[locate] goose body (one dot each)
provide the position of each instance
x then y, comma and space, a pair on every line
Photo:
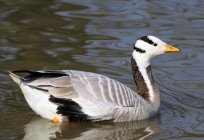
71, 94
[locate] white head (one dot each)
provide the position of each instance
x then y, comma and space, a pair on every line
149, 46
146, 48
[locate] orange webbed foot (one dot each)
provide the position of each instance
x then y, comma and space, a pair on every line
55, 120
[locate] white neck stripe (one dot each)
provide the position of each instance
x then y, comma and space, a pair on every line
142, 65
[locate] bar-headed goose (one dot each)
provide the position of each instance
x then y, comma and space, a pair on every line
71, 94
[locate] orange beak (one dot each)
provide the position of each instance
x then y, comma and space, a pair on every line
169, 48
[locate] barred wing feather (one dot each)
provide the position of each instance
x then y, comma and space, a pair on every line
98, 95
102, 88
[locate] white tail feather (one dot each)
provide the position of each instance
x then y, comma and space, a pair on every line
15, 78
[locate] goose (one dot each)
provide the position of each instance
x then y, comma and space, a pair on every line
66, 95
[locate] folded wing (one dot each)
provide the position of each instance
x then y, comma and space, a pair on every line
95, 95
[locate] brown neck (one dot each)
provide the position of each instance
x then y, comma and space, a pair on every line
142, 88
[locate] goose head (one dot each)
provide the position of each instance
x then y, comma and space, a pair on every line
148, 47
145, 49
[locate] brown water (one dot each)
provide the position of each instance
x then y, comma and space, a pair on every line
98, 36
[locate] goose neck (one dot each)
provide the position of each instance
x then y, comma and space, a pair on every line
142, 75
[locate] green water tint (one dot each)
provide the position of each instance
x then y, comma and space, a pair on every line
98, 36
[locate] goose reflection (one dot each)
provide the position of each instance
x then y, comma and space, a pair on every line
42, 129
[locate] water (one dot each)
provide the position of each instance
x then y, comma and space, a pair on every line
98, 36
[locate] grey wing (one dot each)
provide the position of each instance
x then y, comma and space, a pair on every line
85, 85
60, 87
102, 88
96, 95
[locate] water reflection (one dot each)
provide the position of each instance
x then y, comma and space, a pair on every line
42, 129
98, 36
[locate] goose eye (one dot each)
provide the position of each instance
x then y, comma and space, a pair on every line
155, 44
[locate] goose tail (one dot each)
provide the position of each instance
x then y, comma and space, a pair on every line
15, 78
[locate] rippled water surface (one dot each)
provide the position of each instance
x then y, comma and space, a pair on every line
98, 36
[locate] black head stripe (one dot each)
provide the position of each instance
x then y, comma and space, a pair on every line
146, 39
139, 50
